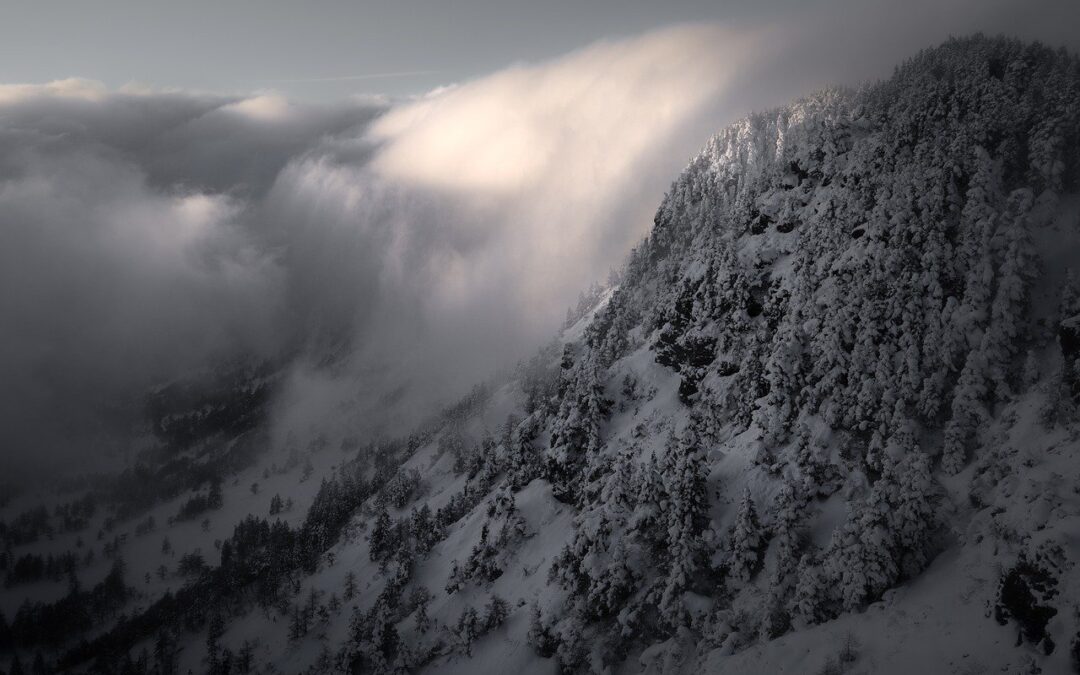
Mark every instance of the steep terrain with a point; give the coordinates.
(825, 421)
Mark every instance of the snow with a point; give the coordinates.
(1012, 497)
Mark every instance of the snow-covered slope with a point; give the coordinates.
(825, 422)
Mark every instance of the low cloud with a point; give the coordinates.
(404, 248)
(128, 251)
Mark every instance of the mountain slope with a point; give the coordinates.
(825, 422)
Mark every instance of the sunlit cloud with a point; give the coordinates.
(415, 246)
(72, 88)
(263, 108)
(608, 103)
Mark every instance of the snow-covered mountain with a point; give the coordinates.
(825, 421)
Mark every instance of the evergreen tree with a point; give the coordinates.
(482, 563)
(783, 372)
(620, 489)
(245, 658)
(495, 613)
(540, 636)
(860, 557)
(577, 429)
(350, 586)
(1008, 310)
(746, 541)
(808, 603)
(913, 512)
(164, 653)
(424, 530)
(387, 639)
(648, 519)
(381, 535)
(454, 580)
(789, 515)
(524, 462)
(467, 629)
(967, 412)
(687, 517)
(297, 623)
(422, 620)
(214, 498)
(214, 630)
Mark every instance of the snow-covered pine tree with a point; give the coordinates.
(809, 602)
(746, 541)
(968, 411)
(620, 490)
(783, 370)
(524, 461)
(788, 515)
(576, 431)
(467, 629)
(914, 510)
(381, 539)
(647, 521)
(1007, 312)
(540, 636)
(860, 558)
(687, 517)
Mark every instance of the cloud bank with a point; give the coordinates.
(384, 246)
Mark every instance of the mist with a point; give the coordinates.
(372, 245)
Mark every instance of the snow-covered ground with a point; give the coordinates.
(822, 425)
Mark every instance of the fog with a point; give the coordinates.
(379, 245)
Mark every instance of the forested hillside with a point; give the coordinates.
(824, 420)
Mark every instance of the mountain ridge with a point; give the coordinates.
(831, 400)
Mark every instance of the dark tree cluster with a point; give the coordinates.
(53, 624)
(199, 504)
(29, 568)
(260, 563)
(27, 527)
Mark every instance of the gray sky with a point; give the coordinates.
(328, 49)
(303, 48)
